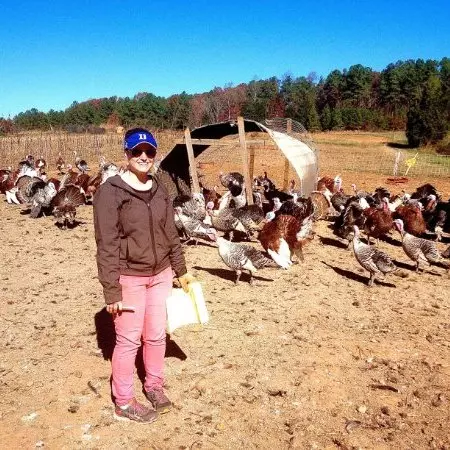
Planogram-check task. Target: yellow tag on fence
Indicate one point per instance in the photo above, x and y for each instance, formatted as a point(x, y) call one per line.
point(186, 308)
point(411, 161)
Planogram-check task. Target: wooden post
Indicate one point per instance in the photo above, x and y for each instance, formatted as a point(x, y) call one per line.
point(192, 165)
point(286, 161)
point(252, 162)
point(245, 165)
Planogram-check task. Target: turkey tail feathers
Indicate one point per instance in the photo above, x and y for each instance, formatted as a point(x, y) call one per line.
point(70, 195)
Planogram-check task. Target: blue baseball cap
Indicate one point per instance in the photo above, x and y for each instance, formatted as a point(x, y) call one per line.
point(138, 136)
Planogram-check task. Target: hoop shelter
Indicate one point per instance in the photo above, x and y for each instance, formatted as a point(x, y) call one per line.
point(178, 169)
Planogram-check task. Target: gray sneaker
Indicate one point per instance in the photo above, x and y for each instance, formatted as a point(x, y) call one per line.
point(135, 411)
point(159, 400)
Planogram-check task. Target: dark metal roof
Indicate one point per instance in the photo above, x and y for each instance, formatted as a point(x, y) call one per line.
point(175, 165)
point(222, 129)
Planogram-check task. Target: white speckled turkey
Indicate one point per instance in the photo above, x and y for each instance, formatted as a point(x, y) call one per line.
point(371, 259)
point(241, 257)
point(418, 249)
point(193, 228)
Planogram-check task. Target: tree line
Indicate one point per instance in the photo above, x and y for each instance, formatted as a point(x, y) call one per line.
point(411, 95)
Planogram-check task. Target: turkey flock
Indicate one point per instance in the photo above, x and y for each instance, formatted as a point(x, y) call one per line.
point(281, 222)
point(29, 185)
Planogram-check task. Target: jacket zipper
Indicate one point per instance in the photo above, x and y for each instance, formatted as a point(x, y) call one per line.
point(152, 232)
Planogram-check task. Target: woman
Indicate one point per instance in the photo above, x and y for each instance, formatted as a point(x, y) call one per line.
point(137, 249)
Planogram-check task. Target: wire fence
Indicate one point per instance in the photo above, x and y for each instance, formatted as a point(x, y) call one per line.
point(334, 157)
point(88, 146)
point(386, 161)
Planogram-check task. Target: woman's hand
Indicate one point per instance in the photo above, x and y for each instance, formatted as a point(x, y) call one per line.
point(114, 308)
point(185, 280)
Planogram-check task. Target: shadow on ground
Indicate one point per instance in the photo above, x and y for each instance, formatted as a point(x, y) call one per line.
point(356, 277)
point(229, 274)
point(398, 145)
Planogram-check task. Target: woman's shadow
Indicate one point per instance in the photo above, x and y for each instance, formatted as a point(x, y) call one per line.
point(106, 341)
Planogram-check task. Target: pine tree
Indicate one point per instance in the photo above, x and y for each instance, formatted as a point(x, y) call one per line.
point(326, 118)
point(336, 119)
point(427, 122)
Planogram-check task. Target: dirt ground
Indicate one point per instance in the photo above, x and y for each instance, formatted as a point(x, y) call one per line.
point(306, 358)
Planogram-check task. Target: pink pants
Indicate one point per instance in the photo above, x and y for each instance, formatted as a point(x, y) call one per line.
point(148, 296)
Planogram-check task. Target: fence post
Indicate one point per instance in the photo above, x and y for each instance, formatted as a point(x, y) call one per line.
point(191, 157)
point(252, 162)
point(245, 165)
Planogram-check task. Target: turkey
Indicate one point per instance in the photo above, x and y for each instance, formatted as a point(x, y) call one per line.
point(366, 198)
point(4, 176)
point(284, 236)
point(437, 216)
point(211, 195)
point(35, 192)
point(224, 220)
point(241, 257)
point(65, 203)
point(446, 253)
point(27, 186)
point(418, 249)
point(81, 164)
point(193, 228)
point(193, 206)
point(322, 204)
point(273, 195)
point(10, 182)
point(70, 177)
point(329, 184)
point(250, 216)
point(339, 200)
point(264, 181)
point(228, 200)
point(412, 217)
point(371, 259)
point(353, 214)
point(236, 197)
point(83, 182)
point(424, 191)
point(299, 209)
point(56, 183)
point(40, 165)
point(378, 221)
point(8, 187)
point(60, 164)
point(380, 194)
point(233, 181)
point(92, 183)
point(27, 162)
point(108, 170)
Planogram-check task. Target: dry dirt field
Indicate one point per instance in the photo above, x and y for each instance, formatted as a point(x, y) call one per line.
point(308, 358)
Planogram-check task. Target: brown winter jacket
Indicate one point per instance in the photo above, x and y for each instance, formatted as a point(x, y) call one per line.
point(135, 234)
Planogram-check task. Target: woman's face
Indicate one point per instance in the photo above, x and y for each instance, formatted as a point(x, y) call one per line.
point(141, 158)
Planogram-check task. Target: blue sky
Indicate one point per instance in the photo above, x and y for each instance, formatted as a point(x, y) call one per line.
point(52, 53)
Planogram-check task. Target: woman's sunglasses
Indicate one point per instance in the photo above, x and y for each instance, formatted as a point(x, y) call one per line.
point(151, 152)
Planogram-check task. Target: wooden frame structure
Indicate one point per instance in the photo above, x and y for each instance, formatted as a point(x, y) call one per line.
point(178, 168)
point(248, 158)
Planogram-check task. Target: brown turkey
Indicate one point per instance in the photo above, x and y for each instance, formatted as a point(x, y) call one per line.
point(412, 217)
point(284, 236)
point(378, 221)
point(65, 204)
